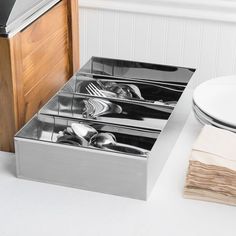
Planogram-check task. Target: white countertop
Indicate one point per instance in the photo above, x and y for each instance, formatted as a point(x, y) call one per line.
point(30, 208)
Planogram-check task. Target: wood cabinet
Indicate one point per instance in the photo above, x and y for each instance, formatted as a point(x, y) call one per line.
point(34, 64)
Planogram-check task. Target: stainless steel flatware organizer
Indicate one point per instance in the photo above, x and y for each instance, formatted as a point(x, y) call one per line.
point(109, 129)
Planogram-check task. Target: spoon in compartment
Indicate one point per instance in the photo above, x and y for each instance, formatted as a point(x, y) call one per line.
point(69, 139)
point(84, 132)
point(108, 141)
point(67, 136)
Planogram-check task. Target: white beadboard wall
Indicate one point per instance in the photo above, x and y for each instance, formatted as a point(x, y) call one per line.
point(208, 45)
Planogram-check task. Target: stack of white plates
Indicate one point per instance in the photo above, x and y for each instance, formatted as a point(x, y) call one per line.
point(214, 102)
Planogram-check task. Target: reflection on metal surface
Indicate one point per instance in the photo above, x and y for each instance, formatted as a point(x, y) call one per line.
point(106, 67)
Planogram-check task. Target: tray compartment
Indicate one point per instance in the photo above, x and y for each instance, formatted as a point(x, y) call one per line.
point(108, 110)
point(47, 128)
point(162, 93)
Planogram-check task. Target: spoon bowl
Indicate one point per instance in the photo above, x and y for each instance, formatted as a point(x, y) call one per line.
point(84, 132)
point(108, 141)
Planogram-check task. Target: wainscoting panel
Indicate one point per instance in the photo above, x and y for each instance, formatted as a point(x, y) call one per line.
point(125, 36)
point(209, 46)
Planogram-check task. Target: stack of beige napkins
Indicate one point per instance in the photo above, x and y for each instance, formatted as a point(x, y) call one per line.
point(212, 167)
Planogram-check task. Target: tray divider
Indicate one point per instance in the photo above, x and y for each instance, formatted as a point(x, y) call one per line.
point(53, 129)
point(58, 106)
point(72, 105)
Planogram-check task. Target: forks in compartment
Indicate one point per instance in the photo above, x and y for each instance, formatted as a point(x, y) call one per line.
point(94, 90)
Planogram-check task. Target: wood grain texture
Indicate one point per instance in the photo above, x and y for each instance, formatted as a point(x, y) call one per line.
point(73, 20)
point(36, 53)
point(7, 124)
point(36, 62)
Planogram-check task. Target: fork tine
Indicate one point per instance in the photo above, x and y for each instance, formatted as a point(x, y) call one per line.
point(91, 92)
point(92, 89)
point(96, 90)
point(88, 90)
point(95, 93)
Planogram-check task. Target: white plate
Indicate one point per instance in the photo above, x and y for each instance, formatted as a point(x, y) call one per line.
point(204, 119)
point(217, 98)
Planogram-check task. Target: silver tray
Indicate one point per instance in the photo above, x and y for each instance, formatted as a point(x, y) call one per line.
point(152, 123)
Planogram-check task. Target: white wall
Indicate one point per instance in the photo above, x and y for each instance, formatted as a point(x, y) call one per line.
point(205, 40)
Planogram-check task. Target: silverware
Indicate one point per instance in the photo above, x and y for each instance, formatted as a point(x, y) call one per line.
point(68, 136)
point(108, 141)
point(80, 134)
point(164, 85)
point(121, 90)
point(95, 107)
point(95, 91)
point(135, 89)
point(84, 132)
point(69, 139)
point(111, 89)
point(170, 104)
